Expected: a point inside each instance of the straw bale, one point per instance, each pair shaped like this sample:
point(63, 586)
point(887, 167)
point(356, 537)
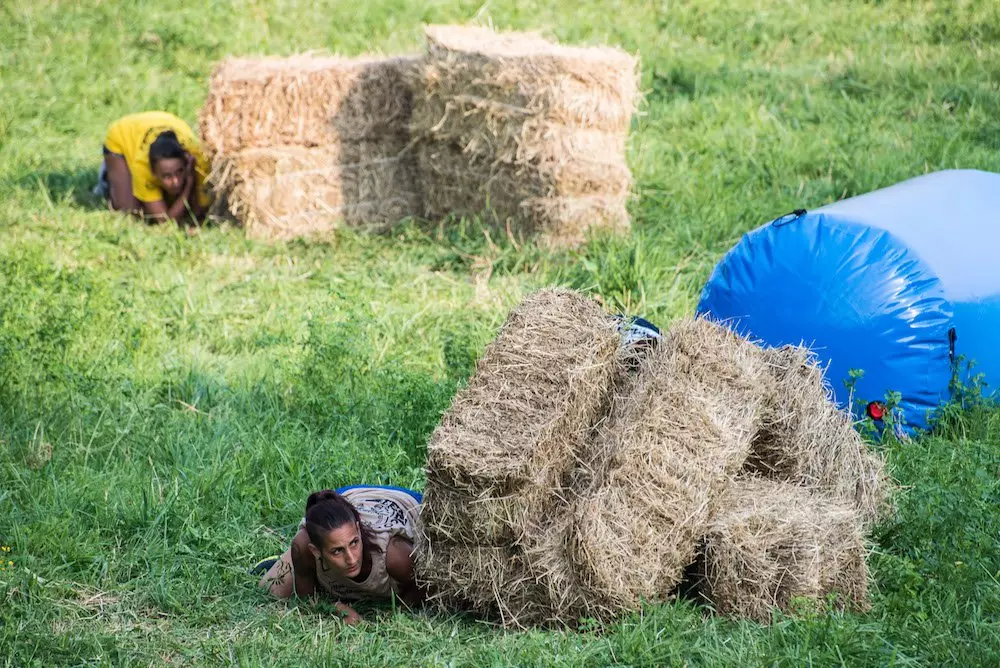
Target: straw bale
point(527, 199)
point(460, 517)
point(772, 542)
point(513, 585)
point(491, 134)
point(808, 440)
point(595, 87)
point(567, 220)
point(550, 170)
point(495, 583)
point(672, 443)
point(536, 393)
point(292, 191)
point(305, 100)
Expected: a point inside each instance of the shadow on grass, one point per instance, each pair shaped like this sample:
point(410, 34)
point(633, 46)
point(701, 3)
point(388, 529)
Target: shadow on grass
point(71, 185)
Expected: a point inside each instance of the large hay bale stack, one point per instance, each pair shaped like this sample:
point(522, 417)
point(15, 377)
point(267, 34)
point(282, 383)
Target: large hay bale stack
point(573, 479)
point(672, 442)
point(806, 439)
point(302, 145)
point(527, 131)
point(772, 542)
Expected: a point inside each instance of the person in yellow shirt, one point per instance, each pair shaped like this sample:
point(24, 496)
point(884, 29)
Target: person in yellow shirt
point(154, 168)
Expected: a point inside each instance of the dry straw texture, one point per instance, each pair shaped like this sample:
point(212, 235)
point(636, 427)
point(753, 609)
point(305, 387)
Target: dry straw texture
point(770, 543)
point(305, 100)
point(591, 87)
point(671, 444)
point(305, 144)
point(282, 193)
point(566, 482)
point(807, 440)
point(527, 133)
point(536, 392)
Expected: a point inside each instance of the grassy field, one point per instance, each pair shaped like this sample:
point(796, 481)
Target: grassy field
point(166, 403)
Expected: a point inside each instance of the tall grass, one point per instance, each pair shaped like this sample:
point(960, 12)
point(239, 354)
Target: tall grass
point(166, 403)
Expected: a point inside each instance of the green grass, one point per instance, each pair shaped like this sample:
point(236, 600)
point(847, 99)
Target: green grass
point(166, 403)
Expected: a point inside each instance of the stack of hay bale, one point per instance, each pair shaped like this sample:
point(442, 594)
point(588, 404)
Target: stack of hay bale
point(562, 485)
point(304, 144)
point(531, 133)
point(497, 462)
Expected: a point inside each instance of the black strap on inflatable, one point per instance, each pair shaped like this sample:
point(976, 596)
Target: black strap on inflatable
point(951, 345)
point(788, 217)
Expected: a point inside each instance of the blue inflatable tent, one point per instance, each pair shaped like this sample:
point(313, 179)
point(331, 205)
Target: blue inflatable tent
point(898, 283)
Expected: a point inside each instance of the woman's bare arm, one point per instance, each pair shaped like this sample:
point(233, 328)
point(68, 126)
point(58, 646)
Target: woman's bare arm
point(120, 181)
point(294, 574)
point(399, 566)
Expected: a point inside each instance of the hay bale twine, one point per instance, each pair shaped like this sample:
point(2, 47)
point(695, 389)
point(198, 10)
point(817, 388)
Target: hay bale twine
point(769, 543)
point(807, 440)
point(513, 431)
point(674, 438)
point(527, 133)
point(305, 100)
point(288, 192)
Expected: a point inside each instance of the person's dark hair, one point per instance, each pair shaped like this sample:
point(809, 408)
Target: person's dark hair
point(327, 510)
point(166, 145)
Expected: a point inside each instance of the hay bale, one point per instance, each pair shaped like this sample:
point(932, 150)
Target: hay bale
point(281, 193)
point(805, 439)
point(516, 427)
point(594, 87)
point(494, 583)
point(513, 585)
point(460, 517)
point(305, 100)
point(528, 133)
point(771, 542)
point(672, 442)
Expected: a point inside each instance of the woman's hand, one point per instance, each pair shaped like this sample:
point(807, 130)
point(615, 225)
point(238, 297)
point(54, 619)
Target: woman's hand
point(348, 615)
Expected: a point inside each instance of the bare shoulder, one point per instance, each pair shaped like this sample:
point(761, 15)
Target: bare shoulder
point(399, 558)
point(301, 556)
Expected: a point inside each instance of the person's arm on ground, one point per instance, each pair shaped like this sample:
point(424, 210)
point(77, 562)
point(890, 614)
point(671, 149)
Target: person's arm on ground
point(399, 566)
point(294, 574)
point(120, 182)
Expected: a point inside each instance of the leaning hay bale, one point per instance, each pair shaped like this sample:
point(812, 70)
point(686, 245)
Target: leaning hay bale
point(592, 87)
point(290, 192)
point(535, 394)
point(807, 440)
point(305, 100)
point(772, 542)
point(673, 440)
point(510, 437)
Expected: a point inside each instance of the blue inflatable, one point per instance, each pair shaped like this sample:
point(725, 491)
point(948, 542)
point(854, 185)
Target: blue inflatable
point(899, 283)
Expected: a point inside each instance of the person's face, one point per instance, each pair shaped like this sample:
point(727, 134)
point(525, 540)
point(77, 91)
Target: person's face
point(170, 174)
point(342, 549)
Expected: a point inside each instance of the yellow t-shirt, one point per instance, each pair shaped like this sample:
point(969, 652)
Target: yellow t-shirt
point(131, 136)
